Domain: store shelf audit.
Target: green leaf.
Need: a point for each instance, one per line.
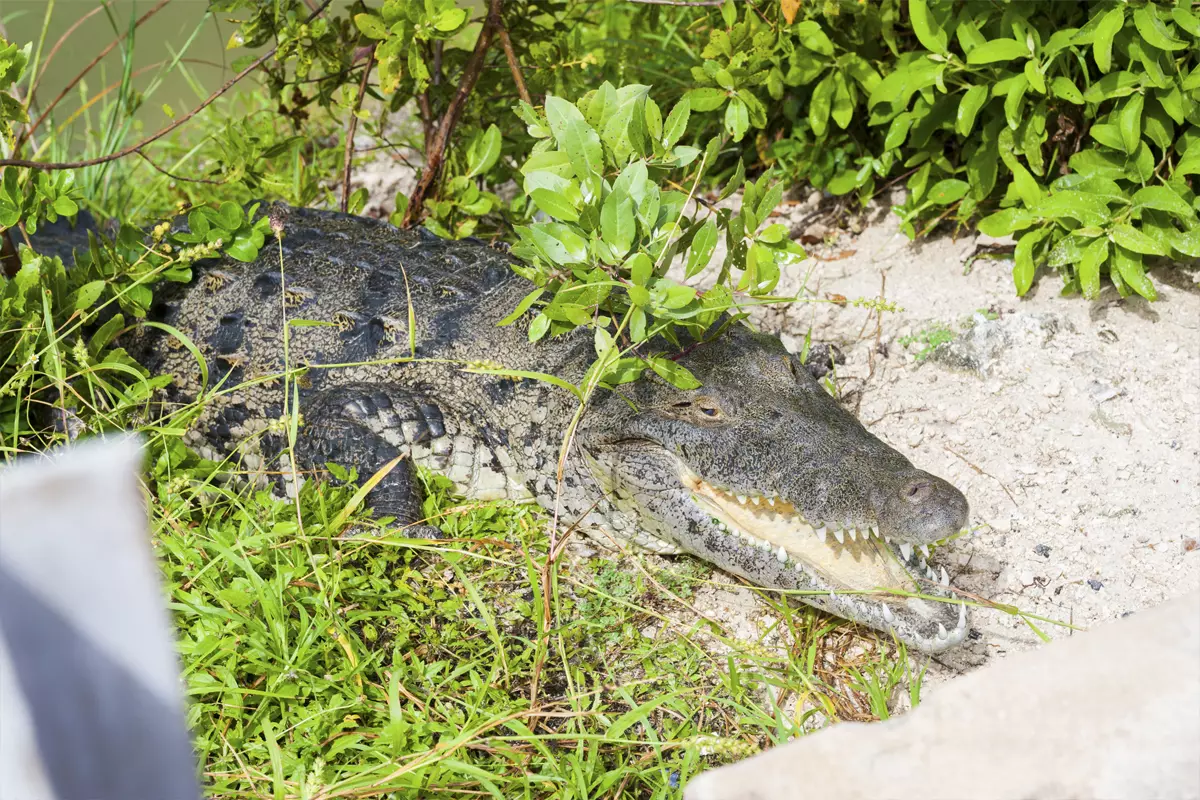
(556, 162)
(1188, 242)
(560, 112)
(929, 33)
(821, 104)
(703, 244)
(1112, 86)
(1088, 268)
(1108, 135)
(450, 19)
(843, 105)
(561, 244)
(1024, 269)
(485, 153)
(538, 328)
(1006, 221)
(1034, 76)
(706, 98)
(1065, 89)
(1131, 238)
(65, 205)
(737, 119)
(812, 37)
(555, 204)
(674, 373)
(997, 50)
(1129, 266)
(1186, 20)
(1108, 27)
(968, 108)
(735, 183)
(1156, 32)
(371, 26)
(617, 223)
(654, 120)
(676, 123)
(1012, 103)
(88, 294)
(1129, 121)
(947, 191)
(582, 145)
(1088, 209)
(1163, 198)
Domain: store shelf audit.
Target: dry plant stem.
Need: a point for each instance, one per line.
(173, 176)
(91, 162)
(436, 152)
(362, 90)
(72, 83)
(514, 66)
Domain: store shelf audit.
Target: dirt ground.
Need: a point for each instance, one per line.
(1071, 426)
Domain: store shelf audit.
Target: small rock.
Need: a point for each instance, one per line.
(1027, 578)
(1042, 550)
(818, 230)
(813, 200)
(1052, 389)
(1171, 347)
(1095, 584)
(915, 435)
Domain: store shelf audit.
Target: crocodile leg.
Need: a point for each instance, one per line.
(366, 427)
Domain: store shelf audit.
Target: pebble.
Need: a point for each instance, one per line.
(1095, 584)
(1171, 347)
(1042, 550)
(1027, 578)
(915, 436)
(1052, 389)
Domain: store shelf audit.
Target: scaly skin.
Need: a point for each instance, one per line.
(653, 466)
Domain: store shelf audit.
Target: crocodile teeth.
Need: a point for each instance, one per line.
(821, 534)
(770, 501)
(942, 634)
(945, 577)
(906, 550)
(888, 616)
(741, 498)
(962, 615)
(925, 550)
(853, 534)
(764, 544)
(756, 500)
(782, 555)
(887, 539)
(799, 567)
(929, 573)
(840, 535)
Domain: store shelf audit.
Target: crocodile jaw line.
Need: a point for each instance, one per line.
(860, 564)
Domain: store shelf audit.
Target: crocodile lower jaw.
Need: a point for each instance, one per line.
(857, 560)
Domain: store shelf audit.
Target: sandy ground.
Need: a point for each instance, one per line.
(1071, 426)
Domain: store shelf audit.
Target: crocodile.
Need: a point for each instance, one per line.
(759, 471)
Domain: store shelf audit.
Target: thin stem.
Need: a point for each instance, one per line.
(349, 157)
(514, 65)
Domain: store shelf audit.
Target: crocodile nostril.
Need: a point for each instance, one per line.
(917, 491)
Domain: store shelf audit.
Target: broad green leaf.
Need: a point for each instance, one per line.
(1089, 267)
(898, 130)
(371, 26)
(737, 119)
(674, 373)
(947, 191)
(1088, 209)
(1129, 121)
(671, 295)
(1013, 103)
(1163, 198)
(1065, 89)
(968, 108)
(582, 145)
(561, 244)
(1034, 76)
(703, 244)
(929, 33)
(556, 162)
(1186, 20)
(1024, 268)
(812, 37)
(1128, 265)
(1156, 32)
(617, 223)
(640, 269)
(602, 103)
(1112, 86)
(843, 104)
(1188, 242)
(1131, 238)
(820, 105)
(735, 183)
(1006, 221)
(706, 98)
(88, 294)
(676, 123)
(654, 120)
(997, 50)
(538, 328)
(450, 19)
(65, 205)
(558, 113)
(555, 204)
(1107, 135)
(485, 152)
(1108, 27)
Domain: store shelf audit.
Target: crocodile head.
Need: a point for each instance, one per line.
(762, 473)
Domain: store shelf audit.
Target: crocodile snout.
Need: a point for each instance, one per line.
(923, 509)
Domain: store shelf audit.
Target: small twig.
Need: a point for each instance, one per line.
(173, 176)
(513, 64)
(436, 153)
(982, 472)
(91, 162)
(362, 90)
(426, 120)
(29, 130)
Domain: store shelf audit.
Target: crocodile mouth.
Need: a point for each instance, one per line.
(855, 559)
